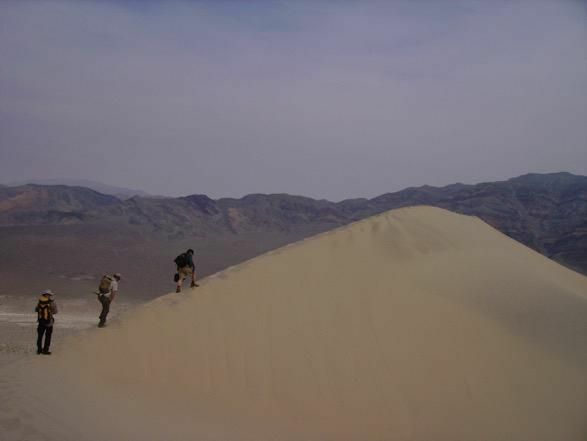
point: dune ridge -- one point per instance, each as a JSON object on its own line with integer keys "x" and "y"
{"x": 415, "y": 324}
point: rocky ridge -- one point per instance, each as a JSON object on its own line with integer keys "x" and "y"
{"x": 547, "y": 212}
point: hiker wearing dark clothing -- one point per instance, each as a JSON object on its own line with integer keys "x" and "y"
{"x": 107, "y": 291}
{"x": 185, "y": 269}
{"x": 46, "y": 309}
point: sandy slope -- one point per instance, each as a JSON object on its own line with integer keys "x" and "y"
{"x": 417, "y": 324}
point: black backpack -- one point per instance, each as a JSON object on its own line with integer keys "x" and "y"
{"x": 182, "y": 260}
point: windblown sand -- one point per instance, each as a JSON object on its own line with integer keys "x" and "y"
{"x": 418, "y": 324}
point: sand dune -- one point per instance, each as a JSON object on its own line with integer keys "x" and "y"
{"x": 418, "y": 324}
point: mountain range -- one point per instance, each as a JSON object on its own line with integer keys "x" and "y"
{"x": 69, "y": 233}
{"x": 119, "y": 192}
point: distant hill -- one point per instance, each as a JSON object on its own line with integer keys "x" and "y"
{"x": 547, "y": 212}
{"x": 42, "y": 205}
{"x": 119, "y": 192}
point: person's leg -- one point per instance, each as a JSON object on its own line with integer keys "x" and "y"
{"x": 48, "y": 334}
{"x": 40, "y": 331}
{"x": 105, "y": 301}
{"x": 194, "y": 278}
{"x": 102, "y": 315}
{"x": 182, "y": 275}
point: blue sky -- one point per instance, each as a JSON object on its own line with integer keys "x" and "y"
{"x": 326, "y": 99}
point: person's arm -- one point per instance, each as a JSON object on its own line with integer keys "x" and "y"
{"x": 54, "y": 309}
{"x": 113, "y": 289}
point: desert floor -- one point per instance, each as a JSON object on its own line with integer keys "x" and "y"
{"x": 18, "y": 328}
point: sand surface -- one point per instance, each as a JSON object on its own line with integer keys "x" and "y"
{"x": 18, "y": 327}
{"x": 418, "y": 324}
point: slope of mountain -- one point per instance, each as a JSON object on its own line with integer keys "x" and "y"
{"x": 545, "y": 212}
{"x": 50, "y": 205}
{"x": 417, "y": 324}
{"x": 119, "y": 192}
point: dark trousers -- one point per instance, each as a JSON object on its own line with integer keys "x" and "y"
{"x": 105, "y": 301}
{"x": 45, "y": 329}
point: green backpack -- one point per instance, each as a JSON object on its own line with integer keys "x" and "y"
{"x": 104, "y": 287}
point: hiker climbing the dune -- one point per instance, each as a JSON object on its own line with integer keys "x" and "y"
{"x": 185, "y": 269}
{"x": 46, "y": 309}
{"x": 107, "y": 291}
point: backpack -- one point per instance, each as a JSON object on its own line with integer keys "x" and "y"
{"x": 44, "y": 311}
{"x": 182, "y": 260}
{"x": 104, "y": 287}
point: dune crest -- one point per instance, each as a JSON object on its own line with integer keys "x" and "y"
{"x": 416, "y": 324}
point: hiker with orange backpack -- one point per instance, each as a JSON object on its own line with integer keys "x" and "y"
{"x": 107, "y": 291}
{"x": 46, "y": 309}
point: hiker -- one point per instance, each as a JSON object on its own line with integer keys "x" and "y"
{"x": 107, "y": 291}
{"x": 46, "y": 309}
{"x": 185, "y": 268}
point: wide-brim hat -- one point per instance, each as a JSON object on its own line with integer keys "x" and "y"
{"x": 48, "y": 292}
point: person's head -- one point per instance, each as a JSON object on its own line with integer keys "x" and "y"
{"x": 117, "y": 276}
{"x": 190, "y": 251}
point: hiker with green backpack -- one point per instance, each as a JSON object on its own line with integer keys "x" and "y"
{"x": 185, "y": 268}
{"x": 107, "y": 291}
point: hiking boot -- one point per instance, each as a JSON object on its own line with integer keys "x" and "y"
{"x": 194, "y": 285}
{"x": 101, "y": 324}
{"x": 46, "y": 352}
{"x": 178, "y": 289}
{"x": 39, "y": 351}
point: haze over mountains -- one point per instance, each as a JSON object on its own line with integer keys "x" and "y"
{"x": 76, "y": 233}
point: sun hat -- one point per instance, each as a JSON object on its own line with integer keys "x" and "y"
{"x": 48, "y": 292}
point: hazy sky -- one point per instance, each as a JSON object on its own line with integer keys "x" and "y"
{"x": 329, "y": 99}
